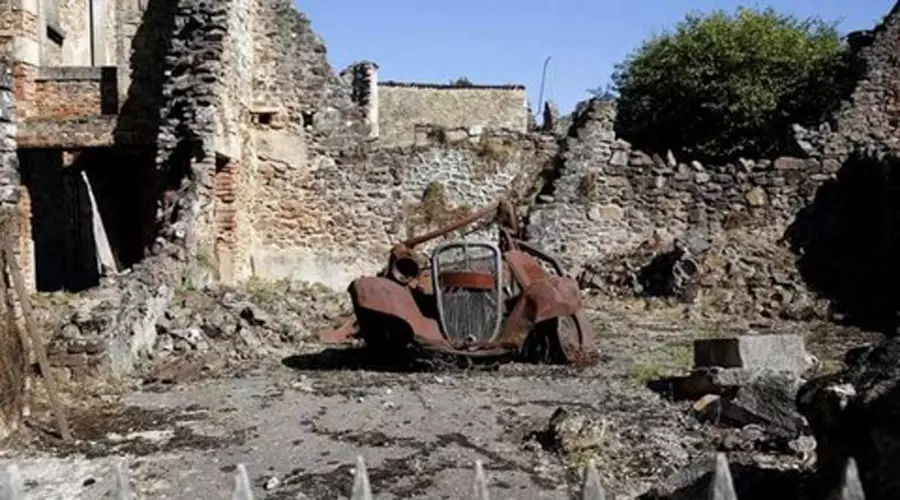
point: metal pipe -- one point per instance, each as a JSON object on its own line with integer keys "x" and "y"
{"x": 451, "y": 227}
{"x": 92, "y": 32}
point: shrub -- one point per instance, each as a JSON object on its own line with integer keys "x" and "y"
{"x": 726, "y": 85}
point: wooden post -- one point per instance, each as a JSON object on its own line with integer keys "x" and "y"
{"x": 36, "y": 342}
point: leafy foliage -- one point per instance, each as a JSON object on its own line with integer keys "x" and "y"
{"x": 725, "y": 85}
{"x": 461, "y": 82}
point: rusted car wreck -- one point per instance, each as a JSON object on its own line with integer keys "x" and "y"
{"x": 472, "y": 300}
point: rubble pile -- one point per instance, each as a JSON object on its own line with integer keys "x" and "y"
{"x": 248, "y": 322}
{"x": 254, "y": 319}
{"x": 742, "y": 392}
{"x": 736, "y": 273}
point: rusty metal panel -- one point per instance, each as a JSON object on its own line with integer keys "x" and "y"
{"x": 468, "y": 314}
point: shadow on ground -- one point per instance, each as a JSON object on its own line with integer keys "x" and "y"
{"x": 365, "y": 359}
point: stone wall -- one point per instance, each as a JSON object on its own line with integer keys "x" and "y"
{"x": 13, "y": 358}
{"x": 783, "y": 234}
{"x": 402, "y": 106}
{"x": 10, "y": 186}
{"x": 119, "y": 318}
{"x": 868, "y": 119}
{"x": 294, "y": 85}
{"x": 719, "y": 236}
{"x": 609, "y": 197}
{"x": 331, "y": 220}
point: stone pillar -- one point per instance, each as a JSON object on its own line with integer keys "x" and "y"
{"x": 11, "y": 188}
{"x": 20, "y": 42}
{"x": 13, "y": 357}
{"x": 21, "y": 38}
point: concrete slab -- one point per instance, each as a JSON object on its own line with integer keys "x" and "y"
{"x": 778, "y": 352}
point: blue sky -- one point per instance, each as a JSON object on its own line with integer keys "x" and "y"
{"x": 506, "y": 41}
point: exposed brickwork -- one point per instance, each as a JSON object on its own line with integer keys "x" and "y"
{"x": 24, "y": 76}
{"x": 66, "y": 100}
{"x": 226, "y": 220}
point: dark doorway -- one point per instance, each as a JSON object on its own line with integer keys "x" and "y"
{"x": 64, "y": 250}
{"x": 62, "y": 214}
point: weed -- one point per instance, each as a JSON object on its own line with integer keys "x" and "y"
{"x": 663, "y": 361}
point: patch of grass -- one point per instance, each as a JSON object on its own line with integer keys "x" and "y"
{"x": 665, "y": 360}
{"x": 828, "y": 367}
{"x": 495, "y": 149}
{"x": 434, "y": 210}
{"x": 265, "y": 291}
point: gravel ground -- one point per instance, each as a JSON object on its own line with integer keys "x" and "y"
{"x": 299, "y": 421}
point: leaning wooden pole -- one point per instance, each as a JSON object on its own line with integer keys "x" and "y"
{"x": 37, "y": 343}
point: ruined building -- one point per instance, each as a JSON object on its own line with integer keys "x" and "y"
{"x": 215, "y": 124}
{"x": 197, "y": 141}
{"x": 400, "y": 113}
{"x": 160, "y": 142}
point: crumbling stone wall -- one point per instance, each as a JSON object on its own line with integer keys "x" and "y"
{"x": 331, "y": 220}
{"x": 118, "y": 320}
{"x": 403, "y": 106}
{"x": 634, "y": 224}
{"x": 609, "y": 197}
{"x": 868, "y": 119}
{"x": 828, "y": 216}
{"x": 13, "y": 358}
{"x": 294, "y": 82}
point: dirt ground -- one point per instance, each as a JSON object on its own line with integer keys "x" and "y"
{"x": 298, "y": 420}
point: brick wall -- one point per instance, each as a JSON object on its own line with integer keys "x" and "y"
{"x": 403, "y": 106}
{"x": 65, "y": 93}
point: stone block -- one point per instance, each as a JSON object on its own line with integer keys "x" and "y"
{"x": 775, "y": 352}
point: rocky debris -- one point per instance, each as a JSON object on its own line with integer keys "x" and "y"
{"x": 767, "y": 400}
{"x": 752, "y": 478}
{"x": 853, "y": 414}
{"x": 235, "y": 323}
{"x": 252, "y": 321}
{"x": 733, "y": 273}
{"x": 747, "y": 383}
{"x": 568, "y": 433}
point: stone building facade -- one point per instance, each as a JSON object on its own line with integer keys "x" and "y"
{"x": 210, "y": 140}
{"x": 394, "y": 111}
{"x": 404, "y": 106}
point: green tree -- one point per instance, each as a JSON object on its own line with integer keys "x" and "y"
{"x": 724, "y": 85}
